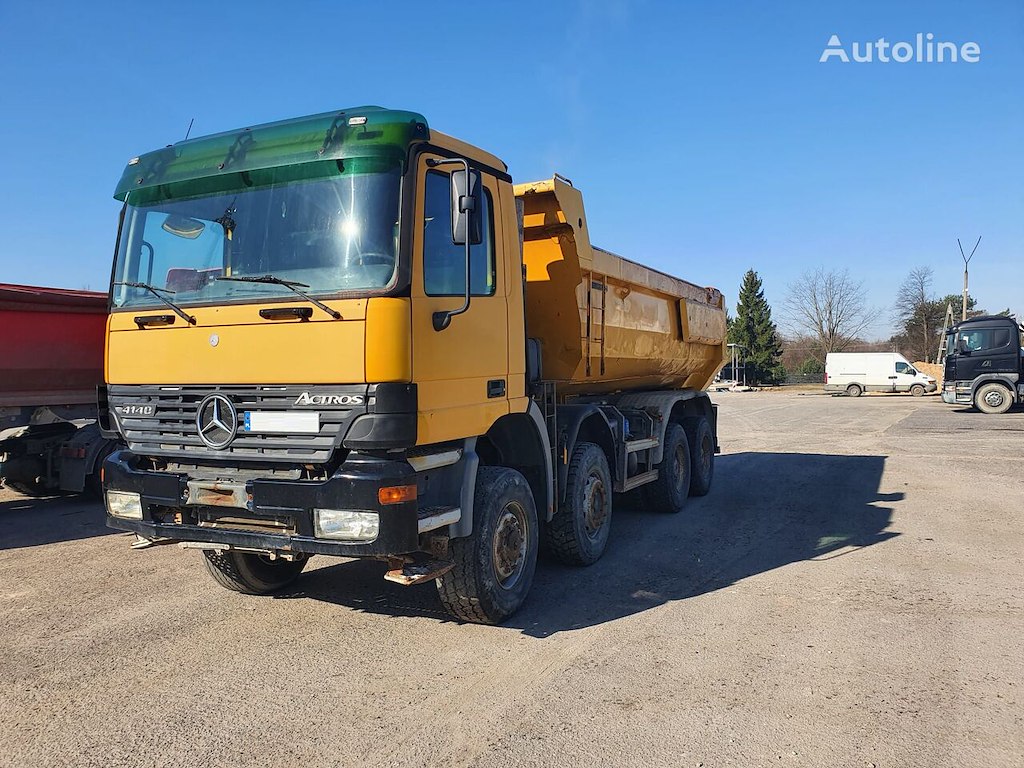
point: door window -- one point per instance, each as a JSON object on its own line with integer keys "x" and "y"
{"x": 985, "y": 338}
{"x": 444, "y": 262}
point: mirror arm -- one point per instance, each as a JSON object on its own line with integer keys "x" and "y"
{"x": 443, "y": 319}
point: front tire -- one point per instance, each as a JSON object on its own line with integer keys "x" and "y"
{"x": 993, "y": 398}
{"x": 669, "y": 492}
{"x": 249, "y": 573}
{"x": 494, "y": 566}
{"x": 578, "y": 533}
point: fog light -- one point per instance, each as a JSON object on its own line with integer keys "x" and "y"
{"x": 346, "y": 524}
{"x": 121, "y": 504}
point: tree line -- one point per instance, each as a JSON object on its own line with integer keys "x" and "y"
{"x": 827, "y": 311}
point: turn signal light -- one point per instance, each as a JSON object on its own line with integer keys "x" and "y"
{"x": 396, "y": 494}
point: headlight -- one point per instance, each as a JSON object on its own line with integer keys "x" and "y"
{"x": 121, "y": 504}
{"x": 346, "y": 524}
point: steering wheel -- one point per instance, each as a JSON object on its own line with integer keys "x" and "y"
{"x": 374, "y": 259}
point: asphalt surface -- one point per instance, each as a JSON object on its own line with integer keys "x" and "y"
{"x": 849, "y": 594}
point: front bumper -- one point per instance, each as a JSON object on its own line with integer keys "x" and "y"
{"x": 284, "y": 506}
{"x": 952, "y": 394}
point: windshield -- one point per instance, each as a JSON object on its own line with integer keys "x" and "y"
{"x": 336, "y": 232}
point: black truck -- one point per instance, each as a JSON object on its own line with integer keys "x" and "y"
{"x": 984, "y": 364}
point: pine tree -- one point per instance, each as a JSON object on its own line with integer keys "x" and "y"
{"x": 755, "y": 332}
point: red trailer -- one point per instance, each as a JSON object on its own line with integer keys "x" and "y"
{"x": 51, "y": 362}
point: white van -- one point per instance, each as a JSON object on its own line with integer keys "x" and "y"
{"x": 857, "y": 372}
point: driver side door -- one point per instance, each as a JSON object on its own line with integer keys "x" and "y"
{"x": 462, "y": 371}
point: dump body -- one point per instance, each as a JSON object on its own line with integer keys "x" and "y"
{"x": 51, "y": 362}
{"x": 51, "y": 347}
{"x": 607, "y": 323}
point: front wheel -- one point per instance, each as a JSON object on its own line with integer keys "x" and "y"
{"x": 494, "y": 566}
{"x": 249, "y": 573}
{"x": 993, "y": 398}
{"x": 917, "y": 390}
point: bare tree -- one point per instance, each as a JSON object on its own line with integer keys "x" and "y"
{"x": 917, "y": 314}
{"x": 830, "y": 307}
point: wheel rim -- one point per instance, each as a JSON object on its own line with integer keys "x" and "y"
{"x": 994, "y": 398}
{"x": 679, "y": 469}
{"x": 509, "y": 546}
{"x": 595, "y": 505}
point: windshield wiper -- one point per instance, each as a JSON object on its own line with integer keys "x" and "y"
{"x": 289, "y": 284}
{"x": 157, "y": 292}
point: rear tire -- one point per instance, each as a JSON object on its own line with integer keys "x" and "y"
{"x": 494, "y": 566}
{"x": 854, "y": 390}
{"x": 34, "y": 488}
{"x": 249, "y": 573}
{"x": 917, "y": 390}
{"x": 669, "y": 492}
{"x": 93, "y": 481}
{"x": 993, "y": 398}
{"x": 578, "y": 532}
{"x": 702, "y": 454}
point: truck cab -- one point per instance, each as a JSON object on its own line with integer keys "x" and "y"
{"x": 984, "y": 365}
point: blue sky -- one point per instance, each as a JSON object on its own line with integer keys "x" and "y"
{"x": 706, "y": 136}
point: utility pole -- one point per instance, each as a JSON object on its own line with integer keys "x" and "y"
{"x": 736, "y": 361}
{"x": 967, "y": 260}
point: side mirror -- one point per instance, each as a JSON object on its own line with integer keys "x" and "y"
{"x": 466, "y": 207}
{"x": 961, "y": 347}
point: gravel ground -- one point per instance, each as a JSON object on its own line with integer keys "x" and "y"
{"x": 849, "y": 594}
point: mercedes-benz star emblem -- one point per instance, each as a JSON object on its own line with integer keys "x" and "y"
{"x": 217, "y": 421}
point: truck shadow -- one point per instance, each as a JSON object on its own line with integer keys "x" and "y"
{"x": 27, "y": 521}
{"x": 766, "y": 510}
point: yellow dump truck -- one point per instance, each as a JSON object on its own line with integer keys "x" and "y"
{"x": 349, "y": 334}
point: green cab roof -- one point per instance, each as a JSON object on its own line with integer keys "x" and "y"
{"x": 354, "y": 132}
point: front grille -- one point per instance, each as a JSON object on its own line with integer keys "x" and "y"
{"x": 161, "y": 421}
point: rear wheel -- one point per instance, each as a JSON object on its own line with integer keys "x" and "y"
{"x": 669, "y": 492}
{"x": 578, "y": 533}
{"x": 494, "y": 566}
{"x": 250, "y": 573}
{"x": 917, "y": 390}
{"x": 854, "y": 390}
{"x": 993, "y": 398}
{"x": 702, "y": 454}
{"x": 32, "y": 488}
